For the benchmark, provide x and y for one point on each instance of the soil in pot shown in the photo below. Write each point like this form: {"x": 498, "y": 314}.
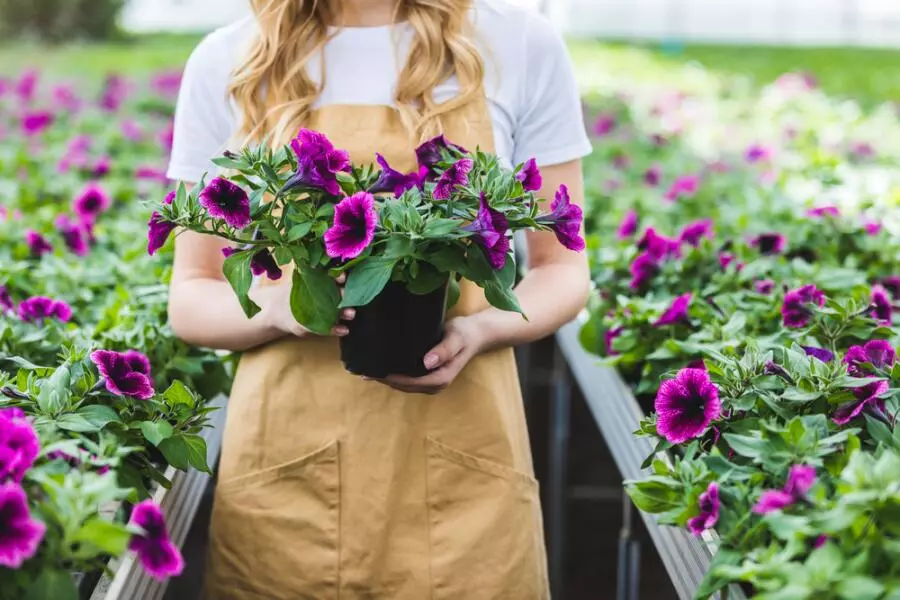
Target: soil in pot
{"x": 392, "y": 334}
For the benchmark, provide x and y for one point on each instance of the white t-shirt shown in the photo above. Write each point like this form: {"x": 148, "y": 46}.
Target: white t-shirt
{"x": 529, "y": 83}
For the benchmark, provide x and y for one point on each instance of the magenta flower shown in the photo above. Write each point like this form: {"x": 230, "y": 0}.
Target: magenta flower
{"x": 872, "y": 227}
{"x": 393, "y": 181}
{"x": 38, "y": 308}
{"x": 764, "y": 286}
{"x": 158, "y": 555}
{"x": 26, "y": 86}
{"x": 621, "y": 161}
{"x": 609, "y": 337}
{"x": 565, "y": 220}
{"x": 800, "y": 479}
{"x": 167, "y": 137}
{"x": 892, "y": 284}
{"x": 603, "y": 125}
{"x": 225, "y": 200}
{"x": 757, "y": 153}
{"x": 653, "y": 175}
{"x": 694, "y": 232}
{"x": 264, "y": 262}
{"x": 819, "y": 353}
{"x": 881, "y": 306}
{"x": 866, "y": 397}
{"x": 101, "y": 166}
{"x": 131, "y": 130}
{"x": 437, "y": 150}
{"x": 19, "y": 446}
{"x": 147, "y": 172}
{"x": 158, "y": 232}
{"x": 677, "y": 311}
{"x": 75, "y": 234}
{"x": 6, "y": 302}
{"x": 658, "y": 246}
{"x": 37, "y": 244}
{"x": 769, "y": 243}
{"x": 643, "y": 269}
{"x": 628, "y": 225}
{"x": 115, "y": 90}
{"x": 530, "y": 176}
{"x": 125, "y": 373}
{"x": 65, "y": 98}
{"x": 796, "y": 308}
{"x": 489, "y": 231}
{"x": 34, "y": 123}
{"x": 686, "y": 405}
{"x": 457, "y": 174}
{"x": 878, "y": 353}
{"x": 708, "y": 502}
{"x": 20, "y": 535}
{"x": 354, "y": 226}
{"x": 166, "y": 84}
{"x": 824, "y": 211}
{"x": 684, "y": 186}
{"x": 92, "y": 201}
{"x": 318, "y": 163}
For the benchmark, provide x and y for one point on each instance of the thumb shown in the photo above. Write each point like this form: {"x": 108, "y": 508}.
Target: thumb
{"x": 444, "y": 352}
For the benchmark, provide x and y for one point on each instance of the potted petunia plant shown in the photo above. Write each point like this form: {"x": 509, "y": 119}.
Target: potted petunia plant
{"x": 404, "y": 240}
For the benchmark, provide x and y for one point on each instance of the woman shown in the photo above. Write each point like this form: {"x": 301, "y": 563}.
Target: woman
{"x": 407, "y": 488}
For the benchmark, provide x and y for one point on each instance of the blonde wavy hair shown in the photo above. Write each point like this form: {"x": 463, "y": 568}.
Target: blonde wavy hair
{"x": 275, "y": 93}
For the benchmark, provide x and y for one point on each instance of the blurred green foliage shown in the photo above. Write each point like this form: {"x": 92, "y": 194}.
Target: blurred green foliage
{"x": 59, "y": 20}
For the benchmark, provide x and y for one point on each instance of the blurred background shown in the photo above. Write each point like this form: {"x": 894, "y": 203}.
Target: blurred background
{"x": 625, "y": 53}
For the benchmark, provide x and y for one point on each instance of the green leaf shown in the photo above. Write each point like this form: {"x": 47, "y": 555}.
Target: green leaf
{"x": 99, "y": 415}
{"x": 477, "y": 266}
{"x": 184, "y": 450}
{"x": 751, "y": 447}
{"x": 859, "y": 587}
{"x": 52, "y": 584}
{"x": 437, "y": 228}
{"x": 367, "y": 280}
{"x": 502, "y": 297}
{"x": 156, "y": 431}
{"x": 55, "y": 391}
{"x": 229, "y": 163}
{"x": 399, "y": 246}
{"x": 428, "y": 280}
{"x": 21, "y": 363}
{"x": 299, "y": 230}
{"x": 111, "y": 538}
{"x": 178, "y": 394}
{"x": 314, "y": 299}
{"x": 237, "y": 271}
{"x": 453, "y": 293}
{"x": 77, "y": 423}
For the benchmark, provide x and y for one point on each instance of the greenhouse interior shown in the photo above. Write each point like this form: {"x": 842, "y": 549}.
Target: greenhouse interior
{"x": 597, "y": 299}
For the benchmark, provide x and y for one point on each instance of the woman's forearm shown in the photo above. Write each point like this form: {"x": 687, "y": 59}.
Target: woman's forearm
{"x": 550, "y": 295}
{"x": 206, "y": 312}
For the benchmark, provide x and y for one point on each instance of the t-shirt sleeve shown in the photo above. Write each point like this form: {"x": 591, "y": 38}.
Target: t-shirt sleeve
{"x": 550, "y": 123}
{"x": 203, "y": 114}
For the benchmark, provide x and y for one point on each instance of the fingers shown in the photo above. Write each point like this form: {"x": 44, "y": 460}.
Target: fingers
{"x": 348, "y": 314}
{"x": 341, "y": 279}
{"x": 340, "y": 330}
{"x": 444, "y": 352}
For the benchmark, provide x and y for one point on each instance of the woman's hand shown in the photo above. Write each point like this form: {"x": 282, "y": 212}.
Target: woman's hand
{"x": 275, "y": 302}
{"x": 463, "y": 340}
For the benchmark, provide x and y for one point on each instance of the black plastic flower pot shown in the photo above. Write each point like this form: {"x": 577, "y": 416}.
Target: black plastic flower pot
{"x": 392, "y": 334}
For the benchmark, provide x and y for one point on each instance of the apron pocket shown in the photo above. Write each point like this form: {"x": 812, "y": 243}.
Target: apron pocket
{"x": 275, "y": 533}
{"x": 486, "y": 531}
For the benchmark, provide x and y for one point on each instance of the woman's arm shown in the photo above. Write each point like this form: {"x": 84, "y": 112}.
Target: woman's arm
{"x": 204, "y": 310}
{"x": 553, "y": 291}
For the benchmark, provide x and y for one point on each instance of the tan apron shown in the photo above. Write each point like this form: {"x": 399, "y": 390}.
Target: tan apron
{"x": 335, "y": 487}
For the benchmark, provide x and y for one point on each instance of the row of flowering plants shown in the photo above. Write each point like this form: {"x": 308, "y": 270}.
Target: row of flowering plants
{"x": 746, "y": 274}
{"x": 97, "y": 397}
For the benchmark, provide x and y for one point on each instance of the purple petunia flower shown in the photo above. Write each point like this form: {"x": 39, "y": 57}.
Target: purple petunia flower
{"x": 644, "y": 267}
{"x": 565, "y": 220}
{"x": 824, "y": 211}
{"x": 608, "y": 337}
{"x": 6, "y": 302}
{"x": 769, "y": 243}
{"x": 158, "y": 232}
{"x": 115, "y": 90}
{"x": 20, "y": 534}
{"x": 167, "y": 137}
{"x": 158, "y": 555}
{"x": 38, "y": 308}
{"x": 489, "y": 231}
{"x": 318, "y": 163}
{"x": 264, "y": 262}
{"x": 686, "y": 185}
{"x": 628, "y": 225}
{"x": 708, "y": 503}
{"x": 686, "y": 405}
{"x": 457, "y": 174}
{"x": 101, "y": 166}
{"x": 131, "y": 130}
{"x": 34, "y": 123}
{"x": 881, "y": 306}
{"x": 694, "y": 232}
{"x": 530, "y": 176}
{"x": 354, "y": 226}
{"x": 892, "y": 284}
{"x": 773, "y": 368}
{"x": 393, "y": 181}
{"x": 800, "y": 479}
{"x": 65, "y": 98}
{"x": 795, "y": 311}
{"x": 228, "y": 251}
{"x": 225, "y": 200}
{"x": 26, "y": 86}
{"x": 866, "y": 397}
{"x": 862, "y": 150}
{"x": 878, "y": 353}
{"x": 37, "y": 244}
{"x": 757, "y": 153}
{"x": 653, "y": 175}
{"x": 19, "y": 445}
{"x": 677, "y": 311}
{"x": 764, "y": 286}
{"x": 434, "y": 151}
{"x": 166, "y": 84}
{"x": 74, "y": 234}
{"x": 658, "y": 246}
{"x": 125, "y": 373}
{"x": 872, "y": 227}
{"x": 819, "y": 353}
{"x": 603, "y": 125}
{"x": 92, "y": 201}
